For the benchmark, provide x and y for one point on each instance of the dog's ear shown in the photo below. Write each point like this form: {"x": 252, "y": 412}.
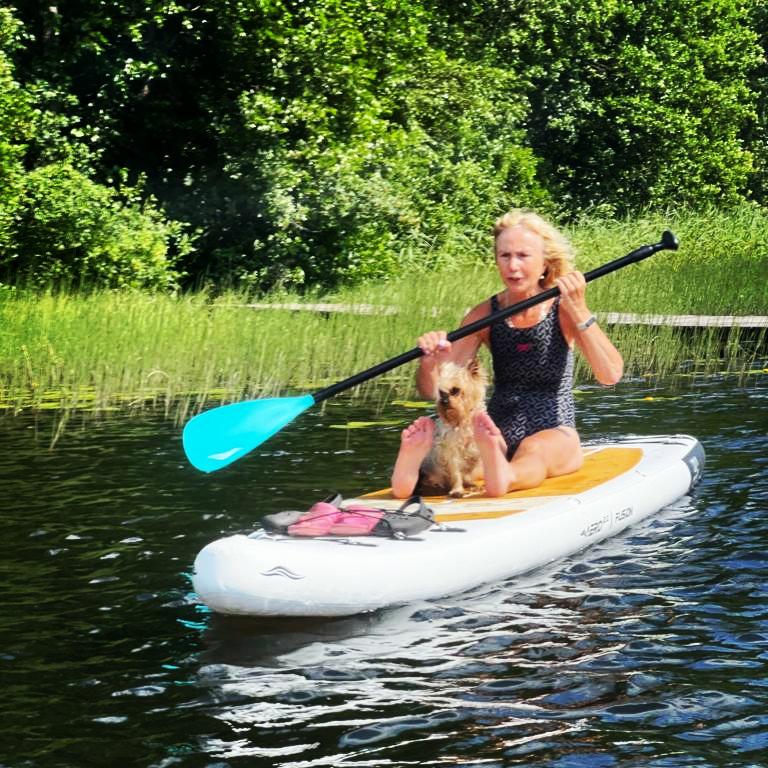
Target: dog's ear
{"x": 474, "y": 367}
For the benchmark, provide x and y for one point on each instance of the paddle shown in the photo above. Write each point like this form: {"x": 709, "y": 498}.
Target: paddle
{"x": 218, "y": 437}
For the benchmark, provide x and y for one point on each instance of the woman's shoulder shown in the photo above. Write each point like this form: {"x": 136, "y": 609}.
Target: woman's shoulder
{"x": 479, "y": 311}
{"x": 483, "y": 309}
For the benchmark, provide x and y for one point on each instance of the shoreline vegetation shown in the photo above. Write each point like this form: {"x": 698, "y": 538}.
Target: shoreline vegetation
{"x": 123, "y": 350}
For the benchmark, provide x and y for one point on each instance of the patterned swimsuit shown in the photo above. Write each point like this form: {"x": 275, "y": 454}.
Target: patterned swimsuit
{"x": 533, "y": 378}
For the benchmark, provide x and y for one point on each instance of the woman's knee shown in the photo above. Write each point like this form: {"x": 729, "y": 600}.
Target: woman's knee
{"x": 569, "y": 457}
{"x": 559, "y": 450}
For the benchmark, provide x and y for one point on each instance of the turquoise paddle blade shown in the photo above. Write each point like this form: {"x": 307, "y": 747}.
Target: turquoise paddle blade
{"x": 216, "y": 438}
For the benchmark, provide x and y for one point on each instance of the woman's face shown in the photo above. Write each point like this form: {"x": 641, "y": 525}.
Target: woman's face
{"x": 520, "y": 260}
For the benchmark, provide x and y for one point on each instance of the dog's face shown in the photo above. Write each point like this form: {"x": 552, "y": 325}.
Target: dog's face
{"x": 460, "y": 392}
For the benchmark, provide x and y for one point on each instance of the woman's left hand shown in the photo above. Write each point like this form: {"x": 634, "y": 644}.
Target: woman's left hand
{"x": 604, "y": 359}
{"x": 573, "y": 295}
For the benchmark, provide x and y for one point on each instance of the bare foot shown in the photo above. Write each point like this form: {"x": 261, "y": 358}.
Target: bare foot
{"x": 417, "y": 437}
{"x": 415, "y": 444}
{"x": 493, "y": 454}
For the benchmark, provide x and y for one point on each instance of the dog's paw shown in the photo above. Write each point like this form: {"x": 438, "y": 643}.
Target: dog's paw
{"x": 456, "y": 493}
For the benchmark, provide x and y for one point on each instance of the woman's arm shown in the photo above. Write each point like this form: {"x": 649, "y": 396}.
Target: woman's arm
{"x": 604, "y": 359}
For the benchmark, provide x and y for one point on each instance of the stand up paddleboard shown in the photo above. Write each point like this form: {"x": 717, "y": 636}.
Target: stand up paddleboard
{"x": 475, "y": 539}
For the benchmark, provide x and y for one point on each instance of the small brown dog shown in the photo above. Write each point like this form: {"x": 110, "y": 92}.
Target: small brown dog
{"x": 454, "y": 459}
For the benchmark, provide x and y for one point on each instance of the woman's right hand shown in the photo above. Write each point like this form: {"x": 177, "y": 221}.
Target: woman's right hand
{"x": 435, "y": 345}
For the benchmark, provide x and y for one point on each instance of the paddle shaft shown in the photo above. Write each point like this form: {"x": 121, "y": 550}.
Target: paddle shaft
{"x": 668, "y": 242}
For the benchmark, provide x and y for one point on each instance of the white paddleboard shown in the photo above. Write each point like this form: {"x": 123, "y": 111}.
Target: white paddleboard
{"x": 476, "y": 539}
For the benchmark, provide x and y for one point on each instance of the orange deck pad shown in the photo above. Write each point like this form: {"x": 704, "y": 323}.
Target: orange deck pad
{"x": 600, "y": 466}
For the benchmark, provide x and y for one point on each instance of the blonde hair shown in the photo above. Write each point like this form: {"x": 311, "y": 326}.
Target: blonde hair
{"x": 558, "y": 253}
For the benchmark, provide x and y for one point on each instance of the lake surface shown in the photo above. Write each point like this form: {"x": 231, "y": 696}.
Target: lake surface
{"x": 649, "y": 649}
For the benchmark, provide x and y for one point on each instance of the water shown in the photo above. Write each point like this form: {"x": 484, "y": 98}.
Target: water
{"x": 649, "y": 649}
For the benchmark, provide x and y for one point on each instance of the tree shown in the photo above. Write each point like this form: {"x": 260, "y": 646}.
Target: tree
{"x": 756, "y": 132}
{"x": 639, "y": 102}
{"x": 56, "y": 223}
{"x": 15, "y": 130}
{"x": 344, "y": 139}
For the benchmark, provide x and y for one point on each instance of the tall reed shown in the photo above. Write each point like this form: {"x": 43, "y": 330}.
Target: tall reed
{"x": 104, "y": 349}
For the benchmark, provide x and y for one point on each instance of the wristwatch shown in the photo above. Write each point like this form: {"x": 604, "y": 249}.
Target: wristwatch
{"x": 589, "y": 321}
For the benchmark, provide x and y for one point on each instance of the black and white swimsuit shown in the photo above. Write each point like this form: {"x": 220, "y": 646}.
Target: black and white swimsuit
{"x": 533, "y": 378}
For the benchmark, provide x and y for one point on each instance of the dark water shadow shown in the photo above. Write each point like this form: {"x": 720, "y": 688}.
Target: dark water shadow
{"x": 245, "y": 641}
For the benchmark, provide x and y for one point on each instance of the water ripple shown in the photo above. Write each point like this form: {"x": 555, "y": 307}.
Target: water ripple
{"x": 649, "y": 649}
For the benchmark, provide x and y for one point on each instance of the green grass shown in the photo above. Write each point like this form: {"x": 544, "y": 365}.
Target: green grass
{"x": 103, "y": 350}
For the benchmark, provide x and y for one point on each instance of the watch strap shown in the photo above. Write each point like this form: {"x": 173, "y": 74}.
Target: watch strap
{"x": 589, "y": 321}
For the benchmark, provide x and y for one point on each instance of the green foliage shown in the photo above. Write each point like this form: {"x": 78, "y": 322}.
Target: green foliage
{"x": 756, "y": 132}
{"x": 70, "y": 229}
{"x": 638, "y": 102}
{"x": 396, "y": 191}
{"x": 56, "y": 223}
{"x": 315, "y": 143}
{"x": 15, "y": 129}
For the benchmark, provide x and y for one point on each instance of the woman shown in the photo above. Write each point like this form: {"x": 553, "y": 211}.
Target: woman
{"x": 528, "y": 433}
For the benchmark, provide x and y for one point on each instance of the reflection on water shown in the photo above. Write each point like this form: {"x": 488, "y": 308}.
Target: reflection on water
{"x": 647, "y": 649}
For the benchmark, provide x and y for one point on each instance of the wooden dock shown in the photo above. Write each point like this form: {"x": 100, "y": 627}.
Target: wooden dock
{"x": 686, "y": 321}
{"x": 608, "y": 318}
{"x": 351, "y": 309}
